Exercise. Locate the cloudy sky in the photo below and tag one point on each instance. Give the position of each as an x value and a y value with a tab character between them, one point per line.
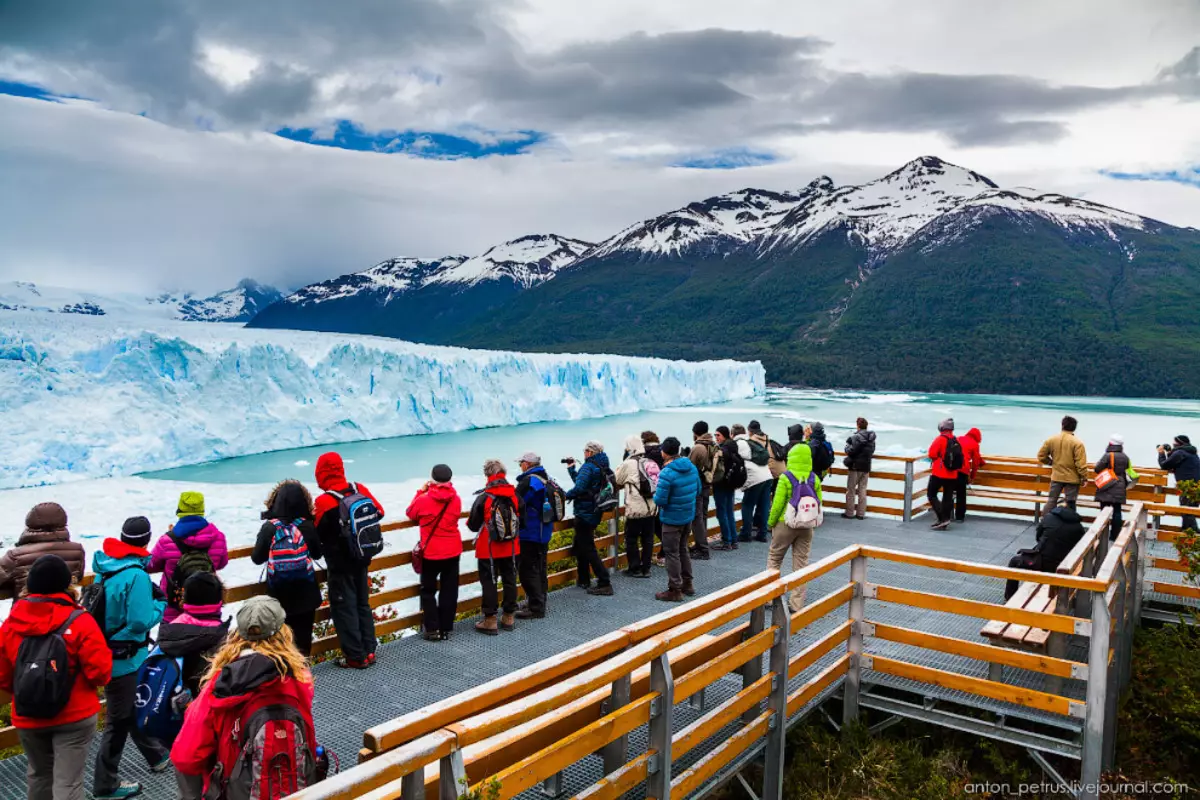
168	144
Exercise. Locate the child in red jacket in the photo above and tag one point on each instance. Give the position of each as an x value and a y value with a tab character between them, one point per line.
56	746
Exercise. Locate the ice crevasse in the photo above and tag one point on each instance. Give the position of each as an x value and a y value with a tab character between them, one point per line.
90	396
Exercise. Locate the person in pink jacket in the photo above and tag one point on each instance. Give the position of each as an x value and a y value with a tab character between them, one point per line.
192	532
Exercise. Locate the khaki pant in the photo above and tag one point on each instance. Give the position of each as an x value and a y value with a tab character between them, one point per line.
56	758
800	541
856	493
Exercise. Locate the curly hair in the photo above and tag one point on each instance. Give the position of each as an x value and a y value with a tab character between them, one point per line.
270	501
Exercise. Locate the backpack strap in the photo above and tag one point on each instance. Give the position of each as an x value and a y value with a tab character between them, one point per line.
53	600
436	521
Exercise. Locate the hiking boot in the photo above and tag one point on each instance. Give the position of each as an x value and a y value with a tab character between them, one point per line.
601	591
121	792
163	765
744	538
507	623
445	635
370	659
488	625
525	613
670	596
860	516
432	636
660	561
733	546
941	526
847	516
762	539
350	663
688	589
722	547
705	556
582	585
642	573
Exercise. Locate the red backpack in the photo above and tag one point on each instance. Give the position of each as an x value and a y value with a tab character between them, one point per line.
266	752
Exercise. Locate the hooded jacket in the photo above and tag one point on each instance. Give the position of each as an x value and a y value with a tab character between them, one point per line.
1114	457
678	487
755	474
937	452
131	609
1183	462
655	454
589	480
90	658
531	491
485	549
703	455
290	506
1068	457
972	459
331	477
251	679
822	450
629	479
195	635
439	503
860	449
1057	535
45	534
800	465
195	532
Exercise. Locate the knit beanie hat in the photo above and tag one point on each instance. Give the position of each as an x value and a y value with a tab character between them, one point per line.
48	575
203	589
1180	438
946	425
441	474
1116	439
46	517
700	428
136	532
191	504
260	618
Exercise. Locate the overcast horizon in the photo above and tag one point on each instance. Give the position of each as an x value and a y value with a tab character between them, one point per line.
192	143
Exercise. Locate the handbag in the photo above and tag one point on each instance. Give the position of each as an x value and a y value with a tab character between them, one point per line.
1108	476
418	551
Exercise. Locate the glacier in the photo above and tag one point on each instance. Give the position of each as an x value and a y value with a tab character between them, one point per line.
87	397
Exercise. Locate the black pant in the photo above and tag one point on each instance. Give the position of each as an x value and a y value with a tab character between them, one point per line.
639	542
506	571
439	607
1114	527
939	497
119	723
1189	521
531	565
350	607
301	624
960	496
586	557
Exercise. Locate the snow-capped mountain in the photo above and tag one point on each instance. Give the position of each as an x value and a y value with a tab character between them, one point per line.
239	304
384	281
527	262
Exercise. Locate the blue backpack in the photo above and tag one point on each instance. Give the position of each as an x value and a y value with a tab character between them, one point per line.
161	698
288	558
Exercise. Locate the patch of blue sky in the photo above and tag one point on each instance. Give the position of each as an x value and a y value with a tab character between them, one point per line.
1189	176
348	135
733	158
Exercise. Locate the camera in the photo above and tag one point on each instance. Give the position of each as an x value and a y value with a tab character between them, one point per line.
1166	447
567	461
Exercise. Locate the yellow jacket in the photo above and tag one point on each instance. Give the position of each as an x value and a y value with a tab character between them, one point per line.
1069	457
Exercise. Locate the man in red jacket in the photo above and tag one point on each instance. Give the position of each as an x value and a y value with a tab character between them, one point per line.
56	747
349	583
972	463
947	456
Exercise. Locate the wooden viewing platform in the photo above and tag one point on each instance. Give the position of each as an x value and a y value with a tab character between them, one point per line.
608	696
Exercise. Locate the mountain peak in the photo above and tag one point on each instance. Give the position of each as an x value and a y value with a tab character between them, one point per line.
526	260
824	183
933	169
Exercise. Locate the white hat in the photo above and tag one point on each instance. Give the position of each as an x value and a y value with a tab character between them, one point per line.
1117	438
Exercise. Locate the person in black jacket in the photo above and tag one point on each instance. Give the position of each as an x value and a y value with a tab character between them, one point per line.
291	504
860	448
1182	461
1058	532
1113	495
199	631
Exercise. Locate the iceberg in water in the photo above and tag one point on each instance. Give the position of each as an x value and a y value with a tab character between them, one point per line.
92	396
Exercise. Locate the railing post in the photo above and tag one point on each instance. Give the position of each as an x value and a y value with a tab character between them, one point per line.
658	782
452	776
752	670
613	531
858	603
412	785
1097	701
1139	586
616	752
777	701
1113	676
1057	646
908	491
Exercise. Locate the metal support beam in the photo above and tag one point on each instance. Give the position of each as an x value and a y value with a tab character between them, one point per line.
452	776
752	670
908	491
614	532
616	752
777	701
551	787
697	701
1139	589
854	646
1050	771
1057	646
1097	701
746	785
412	785
880	727
658	784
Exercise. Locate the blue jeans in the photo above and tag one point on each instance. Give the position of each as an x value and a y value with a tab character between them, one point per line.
724	500
756	505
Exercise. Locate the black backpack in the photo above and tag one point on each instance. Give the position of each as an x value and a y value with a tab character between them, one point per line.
735	469
192	561
952	458
361	530
778	451
822	456
94	600
42	675
554	509
607	496
645	487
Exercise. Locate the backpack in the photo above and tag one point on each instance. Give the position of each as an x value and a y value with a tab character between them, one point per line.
503	522
952	458
735	470
778	451
360	524
646	486
803	509
759	454
265	753
822	457
608	495
94	600
554	509
42	675
716	469
192	561
161	699
1024	559
288	560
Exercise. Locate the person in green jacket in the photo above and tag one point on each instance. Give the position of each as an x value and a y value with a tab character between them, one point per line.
783	538
132	607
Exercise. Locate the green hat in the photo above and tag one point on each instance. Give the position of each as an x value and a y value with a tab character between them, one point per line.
191	504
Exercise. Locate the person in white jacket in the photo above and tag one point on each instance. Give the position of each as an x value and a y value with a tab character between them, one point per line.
640	511
756	491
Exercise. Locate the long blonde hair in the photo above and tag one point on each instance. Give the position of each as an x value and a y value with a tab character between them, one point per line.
280	648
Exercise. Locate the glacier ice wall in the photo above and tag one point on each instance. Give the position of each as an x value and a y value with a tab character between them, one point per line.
91	396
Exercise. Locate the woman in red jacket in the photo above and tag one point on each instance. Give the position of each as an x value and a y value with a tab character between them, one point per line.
56	746
947	456
496	560
436	509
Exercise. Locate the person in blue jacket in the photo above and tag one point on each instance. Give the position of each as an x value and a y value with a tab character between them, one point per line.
132	607
678	487
535	536
589	482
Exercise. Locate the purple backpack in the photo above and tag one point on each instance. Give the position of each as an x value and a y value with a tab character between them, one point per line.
804	507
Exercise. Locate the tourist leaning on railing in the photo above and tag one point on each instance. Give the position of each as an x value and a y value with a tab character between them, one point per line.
192	544
45	534
288	544
972	463
945	475
1182	462
436	509
860	449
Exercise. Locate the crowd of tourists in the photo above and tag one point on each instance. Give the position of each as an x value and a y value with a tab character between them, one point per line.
227	702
